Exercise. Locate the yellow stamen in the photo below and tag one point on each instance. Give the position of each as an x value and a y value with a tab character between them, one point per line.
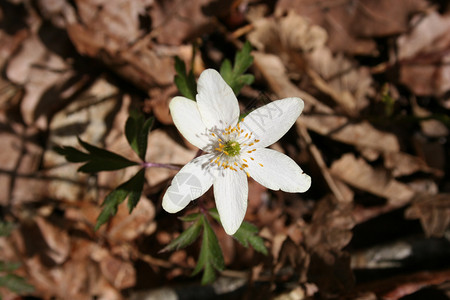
260	165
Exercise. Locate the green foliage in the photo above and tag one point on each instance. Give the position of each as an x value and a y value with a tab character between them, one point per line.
16	283
388	101
6	228
9	266
234	75
187	237
185	82
136	131
246	235
131	189
13	282
210	258
96	159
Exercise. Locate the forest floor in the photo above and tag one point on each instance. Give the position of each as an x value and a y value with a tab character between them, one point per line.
373	136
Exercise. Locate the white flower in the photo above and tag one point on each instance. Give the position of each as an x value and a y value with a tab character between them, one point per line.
234	149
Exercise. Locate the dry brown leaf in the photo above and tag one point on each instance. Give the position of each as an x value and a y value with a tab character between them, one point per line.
341	78
56	239
284	34
331	225
362	134
19	161
126	227
121	274
42	73
404	164
325	122
423	55
352	25
356	172
433	212
431	128
175	21
86	117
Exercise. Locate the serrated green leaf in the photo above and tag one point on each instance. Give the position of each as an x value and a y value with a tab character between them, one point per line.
6	228
131	189
186	238
243	59
136	131
185	82
234	76
248	234
16	284
245	235
136	186
9	266
96	159
211	257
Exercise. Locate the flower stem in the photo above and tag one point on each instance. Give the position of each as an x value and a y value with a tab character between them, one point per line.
156	165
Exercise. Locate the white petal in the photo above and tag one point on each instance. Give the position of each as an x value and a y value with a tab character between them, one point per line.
193	180
278	171
216	101
231	194
187	119
270	122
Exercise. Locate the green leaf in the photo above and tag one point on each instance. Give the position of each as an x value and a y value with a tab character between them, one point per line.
190	218
9	266
6	228
96	159
211	257
185	82
234	76
243	59
136	131
248	234
186	238
131	189
16	284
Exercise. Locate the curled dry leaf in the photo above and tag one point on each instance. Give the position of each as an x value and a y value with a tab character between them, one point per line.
404	164
424	57
362	134
325	122
433	211
340	78
290	33
356	172
43	74
352	25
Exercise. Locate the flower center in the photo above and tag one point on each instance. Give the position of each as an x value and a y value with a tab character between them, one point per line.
230	143
232	148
